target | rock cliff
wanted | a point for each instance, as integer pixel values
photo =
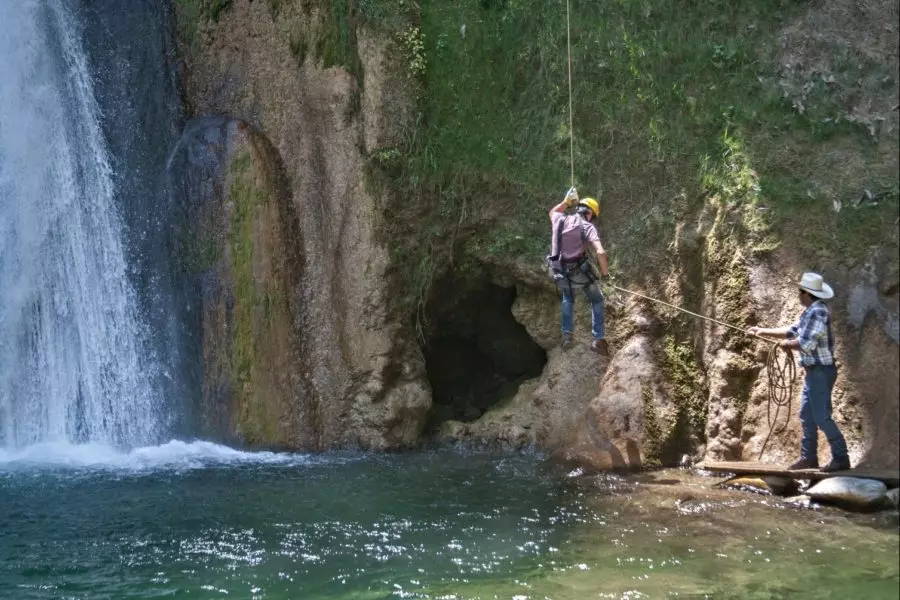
(369, 270)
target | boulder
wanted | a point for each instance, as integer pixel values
(452, 431)
(597, 455)
(632, 410)
(851, 492)
(545, 410)
(893, 498)
(630, 421)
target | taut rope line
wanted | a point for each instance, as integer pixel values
(684, 310)
(780, 370)
(571, 130)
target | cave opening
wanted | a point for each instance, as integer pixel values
(476, 353)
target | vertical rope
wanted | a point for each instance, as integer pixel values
(571, 130)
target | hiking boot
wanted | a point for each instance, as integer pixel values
(837, 464)
(566, 341)
(804, 463)
(600, 347)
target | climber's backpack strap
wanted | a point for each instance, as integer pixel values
(560, 269)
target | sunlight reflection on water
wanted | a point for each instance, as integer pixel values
(201, 520)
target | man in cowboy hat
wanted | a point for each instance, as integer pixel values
(813, 338)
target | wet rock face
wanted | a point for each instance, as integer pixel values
(360, 363)
(545, 402)
(731, 378)
(237, 248)
(364, 370)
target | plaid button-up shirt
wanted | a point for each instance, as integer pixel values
(813, 331)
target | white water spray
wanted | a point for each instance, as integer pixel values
(73, 366)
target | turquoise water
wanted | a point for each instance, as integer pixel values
(203, 521)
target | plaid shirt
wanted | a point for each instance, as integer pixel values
(813, 331)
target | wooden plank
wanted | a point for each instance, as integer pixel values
(888, 476)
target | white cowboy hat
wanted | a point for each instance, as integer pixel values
(812, 283)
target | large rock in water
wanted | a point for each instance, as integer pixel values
(631, 421)
(238, 246)
(768, 484)
(849, 491)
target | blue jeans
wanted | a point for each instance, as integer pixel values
(815, 413)
(594, 296)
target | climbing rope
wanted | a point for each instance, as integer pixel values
(684, 310)
(781, 372)
(571, 130)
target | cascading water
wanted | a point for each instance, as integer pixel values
(76, 364)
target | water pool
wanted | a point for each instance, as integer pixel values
(204, 521)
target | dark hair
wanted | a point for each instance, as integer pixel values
(584, 211)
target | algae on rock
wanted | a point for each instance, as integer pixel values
(362, 376)
(229, 186)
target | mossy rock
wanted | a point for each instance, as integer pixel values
(240, 237)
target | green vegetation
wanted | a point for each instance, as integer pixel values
(329, 28)
(256, 423)
(680, 106)
(684, 111)
(196, 247)
(191, 13)
(244, 196)
(653, 431)
(688, 385)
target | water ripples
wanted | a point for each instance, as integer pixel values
(200, 520)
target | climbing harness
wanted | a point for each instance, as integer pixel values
(563, 270)
(781, 371)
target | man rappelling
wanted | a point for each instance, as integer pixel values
(574, 235)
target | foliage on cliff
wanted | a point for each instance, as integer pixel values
(778, 123)
(680, 106)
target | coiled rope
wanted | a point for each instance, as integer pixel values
(781, 371)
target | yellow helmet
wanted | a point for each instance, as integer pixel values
(591, 204)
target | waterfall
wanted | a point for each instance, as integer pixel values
(76, 362)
